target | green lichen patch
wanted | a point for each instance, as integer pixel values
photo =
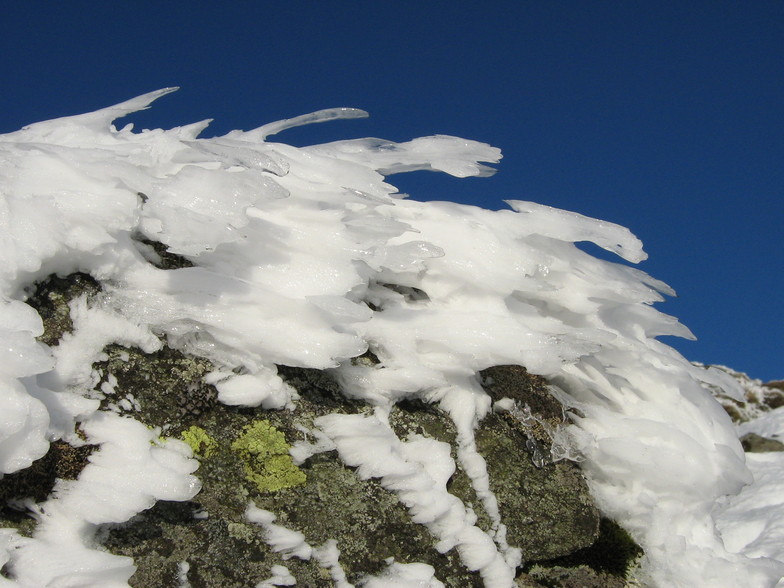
(201, 443)
(367, 359)
(265, 453)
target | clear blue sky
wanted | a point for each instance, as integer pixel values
(666, 117)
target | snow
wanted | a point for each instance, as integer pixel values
(281, 577)
(398, 575)
(418, 470)
(290, 543)
(753, 521)
(281, 539)
(769, 424)
(264, 389)
(308, 257)
(130, 472)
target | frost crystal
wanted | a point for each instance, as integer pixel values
(307, 257)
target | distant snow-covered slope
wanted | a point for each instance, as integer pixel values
(753, 521)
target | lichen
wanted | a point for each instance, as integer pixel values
(265, 454)
(201, 443)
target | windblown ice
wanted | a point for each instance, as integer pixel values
(307, 257)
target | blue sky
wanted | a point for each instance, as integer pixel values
(665, 117)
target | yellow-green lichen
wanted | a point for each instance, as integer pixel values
(265, 454)
(200, 442)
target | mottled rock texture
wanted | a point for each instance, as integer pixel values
(547, 508)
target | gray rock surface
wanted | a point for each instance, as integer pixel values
(243, 456)
(753, 443)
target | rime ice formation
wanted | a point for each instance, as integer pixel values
(307, 257)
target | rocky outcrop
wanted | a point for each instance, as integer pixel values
(244, 456)
(753, 443)
(757, 399)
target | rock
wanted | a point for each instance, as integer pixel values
(62, 461)
(167, 383)
(244, 457)
(753, 443)
(158, 254)
(514, 381)
(758, 398)
(777, 385)
(577, 577)
(548, 511)
(606, 563)
(51, 297)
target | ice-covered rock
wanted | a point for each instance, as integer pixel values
(755, 399)
(308, 258)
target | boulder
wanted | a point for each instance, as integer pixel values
(244, 458)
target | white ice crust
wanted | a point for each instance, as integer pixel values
(307, 257)
(290, 543)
